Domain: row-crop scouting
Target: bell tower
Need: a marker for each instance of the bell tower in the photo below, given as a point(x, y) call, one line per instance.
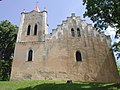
point(30, 42)
point(33, 26)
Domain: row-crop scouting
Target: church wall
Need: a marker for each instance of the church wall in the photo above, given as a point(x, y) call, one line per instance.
point(55, 58)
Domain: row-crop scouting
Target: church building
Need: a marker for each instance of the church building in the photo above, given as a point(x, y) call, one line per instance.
point(73, 51)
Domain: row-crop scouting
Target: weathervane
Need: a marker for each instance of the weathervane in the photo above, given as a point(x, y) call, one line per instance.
point(37, 2)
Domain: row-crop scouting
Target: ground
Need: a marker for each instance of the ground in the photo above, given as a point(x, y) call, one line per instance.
point(56, 85)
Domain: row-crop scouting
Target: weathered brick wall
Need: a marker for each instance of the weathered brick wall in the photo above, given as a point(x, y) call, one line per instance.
point(55, 59)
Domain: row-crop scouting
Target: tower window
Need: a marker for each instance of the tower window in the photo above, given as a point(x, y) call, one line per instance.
point(28, 30)
point(72, 32)
point(35, 29)
point(78, 32)
point(78, 56)
point(30, 55)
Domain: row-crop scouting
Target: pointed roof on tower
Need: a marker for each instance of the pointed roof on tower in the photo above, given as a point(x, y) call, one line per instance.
point(37, 8)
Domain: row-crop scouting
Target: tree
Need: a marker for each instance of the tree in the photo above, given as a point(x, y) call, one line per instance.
point(8, 34)
point(104, 13)
point(118, 66)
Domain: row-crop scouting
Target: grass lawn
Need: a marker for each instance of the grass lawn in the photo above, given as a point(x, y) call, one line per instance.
point(56, 85)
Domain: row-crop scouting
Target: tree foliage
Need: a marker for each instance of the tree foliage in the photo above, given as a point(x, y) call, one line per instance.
point(8, 33)
point(104, 13)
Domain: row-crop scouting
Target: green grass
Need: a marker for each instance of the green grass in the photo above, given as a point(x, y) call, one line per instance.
point(56, 85)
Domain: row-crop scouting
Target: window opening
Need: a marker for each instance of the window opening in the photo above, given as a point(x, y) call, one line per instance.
point(35, 29)
point(78, 56)
point(28, 30)
point(30, 55)
point(78, 32)
point(72, 32)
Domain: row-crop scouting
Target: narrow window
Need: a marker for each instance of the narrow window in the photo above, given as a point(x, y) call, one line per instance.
point(35, 29)
point(72, 32)
point(78, 56)
point(30, 55)
point(28, 30)
point(78, 32)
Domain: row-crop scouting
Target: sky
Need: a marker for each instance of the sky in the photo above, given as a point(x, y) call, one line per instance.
point(58, 10)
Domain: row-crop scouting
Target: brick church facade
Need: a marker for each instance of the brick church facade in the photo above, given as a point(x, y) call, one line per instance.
point(73, 51)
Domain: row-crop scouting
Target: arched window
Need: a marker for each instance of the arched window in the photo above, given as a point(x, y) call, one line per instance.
point(78, 32)
point(72, 32)
point(35, 29)
point(28, 30)
point(30, 55)
point(78, 56)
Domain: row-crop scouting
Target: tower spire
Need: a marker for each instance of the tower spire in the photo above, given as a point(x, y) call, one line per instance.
point(37, 8)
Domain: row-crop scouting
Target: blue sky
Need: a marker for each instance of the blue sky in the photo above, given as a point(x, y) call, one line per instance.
point(58, 10)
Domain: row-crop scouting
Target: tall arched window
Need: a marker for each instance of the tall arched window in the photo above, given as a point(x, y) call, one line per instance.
point(35, 29)
point(28, 30)
point(30, 55)
point(72, 32)
point(78, 56)
point(78, 32)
